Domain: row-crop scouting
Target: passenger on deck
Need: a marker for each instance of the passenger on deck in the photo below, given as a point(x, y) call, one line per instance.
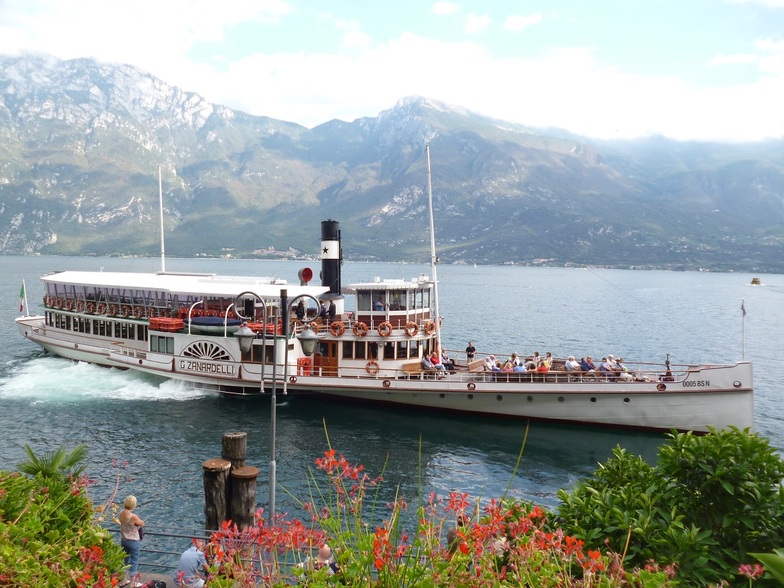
point(587, 366)
point(448, 363)
point(508, 367)
point(514, 359)
point(542, 367)
point(623, 372)
point(532, 363)
point(549, 359)
point(606, 369)
point(470, 352)
point(571, 364)
point(491, 365)
point(437, 363)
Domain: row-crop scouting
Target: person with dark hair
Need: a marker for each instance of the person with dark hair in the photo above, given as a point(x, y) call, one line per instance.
point(470, 352)
point(192, 569)
point(332, 311)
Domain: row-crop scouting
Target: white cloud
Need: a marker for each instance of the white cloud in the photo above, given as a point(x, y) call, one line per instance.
point(567, 88)
point(476, 23)
point(518, 22)
point(442, 8)
point(738, 58)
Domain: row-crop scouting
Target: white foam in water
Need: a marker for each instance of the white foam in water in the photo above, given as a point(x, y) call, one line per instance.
point(55, 379)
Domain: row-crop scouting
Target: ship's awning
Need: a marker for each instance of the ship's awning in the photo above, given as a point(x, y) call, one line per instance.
point(181, 283)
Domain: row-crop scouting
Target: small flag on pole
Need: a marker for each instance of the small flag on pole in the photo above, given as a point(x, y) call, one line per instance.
point(743, 307)
point(21, 298)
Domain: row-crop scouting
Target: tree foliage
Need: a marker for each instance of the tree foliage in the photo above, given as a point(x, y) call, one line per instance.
point(708, 502)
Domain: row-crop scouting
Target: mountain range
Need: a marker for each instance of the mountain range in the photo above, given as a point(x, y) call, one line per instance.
point(81, 143)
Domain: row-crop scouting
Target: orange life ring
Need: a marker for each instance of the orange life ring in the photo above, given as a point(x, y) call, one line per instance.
point(137, 312)
point(337, 328)
point(80, 306)
point(112, 310)
point(69, 304)
point(150, 312)
point(360, 329)
point(125, 311)
point(101, 308)
point(372, 367)
point(412, 328)
point(430, 327)
point(59, 303)
point(385, 329)
point(90, 307)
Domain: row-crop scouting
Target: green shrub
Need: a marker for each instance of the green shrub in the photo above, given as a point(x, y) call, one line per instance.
point(708, 501)
point(48, 534)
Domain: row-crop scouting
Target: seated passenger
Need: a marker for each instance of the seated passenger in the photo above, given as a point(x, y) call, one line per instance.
point(606, 369)
point(489, 363)
point(535, 359)
point(623, 372)
point(514, 359)
point(436, 362)
point(508, 367)
point(587, 365)
point(542, 367)
point(549, 359)
point(426, 364)
point(571, 364)
point(448, 363)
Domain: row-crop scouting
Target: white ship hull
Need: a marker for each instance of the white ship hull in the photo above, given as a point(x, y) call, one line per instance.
point(185, 327)
point(701, 397)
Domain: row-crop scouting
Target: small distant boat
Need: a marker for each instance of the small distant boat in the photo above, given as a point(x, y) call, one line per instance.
point(756, 282)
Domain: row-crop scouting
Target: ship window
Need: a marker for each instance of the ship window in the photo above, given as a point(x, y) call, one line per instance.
point(162, 344)
point(363, 300)
point(397, 301)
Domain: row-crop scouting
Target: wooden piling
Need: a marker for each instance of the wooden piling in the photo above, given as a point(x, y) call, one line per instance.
point(235, 448)
point(216, 492)
point(243, 496)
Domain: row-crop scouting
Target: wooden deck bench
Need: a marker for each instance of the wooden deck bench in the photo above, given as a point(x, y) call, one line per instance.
point(478, 365)
point(415, 370)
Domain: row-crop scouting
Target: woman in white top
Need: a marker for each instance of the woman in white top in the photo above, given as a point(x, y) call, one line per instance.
point(130, 540)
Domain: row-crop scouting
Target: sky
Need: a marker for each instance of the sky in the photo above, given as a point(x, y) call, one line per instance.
point(685, 69)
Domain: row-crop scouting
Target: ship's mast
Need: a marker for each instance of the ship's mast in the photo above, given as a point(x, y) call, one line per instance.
point(160, 205)
point(433, 258)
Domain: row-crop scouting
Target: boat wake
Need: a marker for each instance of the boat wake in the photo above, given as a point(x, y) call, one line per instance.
point(51, 379)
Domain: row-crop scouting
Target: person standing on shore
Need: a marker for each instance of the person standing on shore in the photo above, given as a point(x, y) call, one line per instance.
point(130, 540)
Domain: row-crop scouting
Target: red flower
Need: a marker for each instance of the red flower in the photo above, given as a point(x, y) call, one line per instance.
point(751, 572)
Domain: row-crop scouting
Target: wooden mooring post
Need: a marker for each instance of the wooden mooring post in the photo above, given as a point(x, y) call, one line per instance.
point(230, 485)
point(216, 492)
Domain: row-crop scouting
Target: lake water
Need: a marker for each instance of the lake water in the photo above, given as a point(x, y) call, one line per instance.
point(164, 430)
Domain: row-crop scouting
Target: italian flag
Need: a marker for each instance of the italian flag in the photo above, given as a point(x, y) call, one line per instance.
point(21, 298)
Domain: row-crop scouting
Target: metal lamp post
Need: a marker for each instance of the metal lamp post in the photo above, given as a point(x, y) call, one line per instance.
point(308, 340)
